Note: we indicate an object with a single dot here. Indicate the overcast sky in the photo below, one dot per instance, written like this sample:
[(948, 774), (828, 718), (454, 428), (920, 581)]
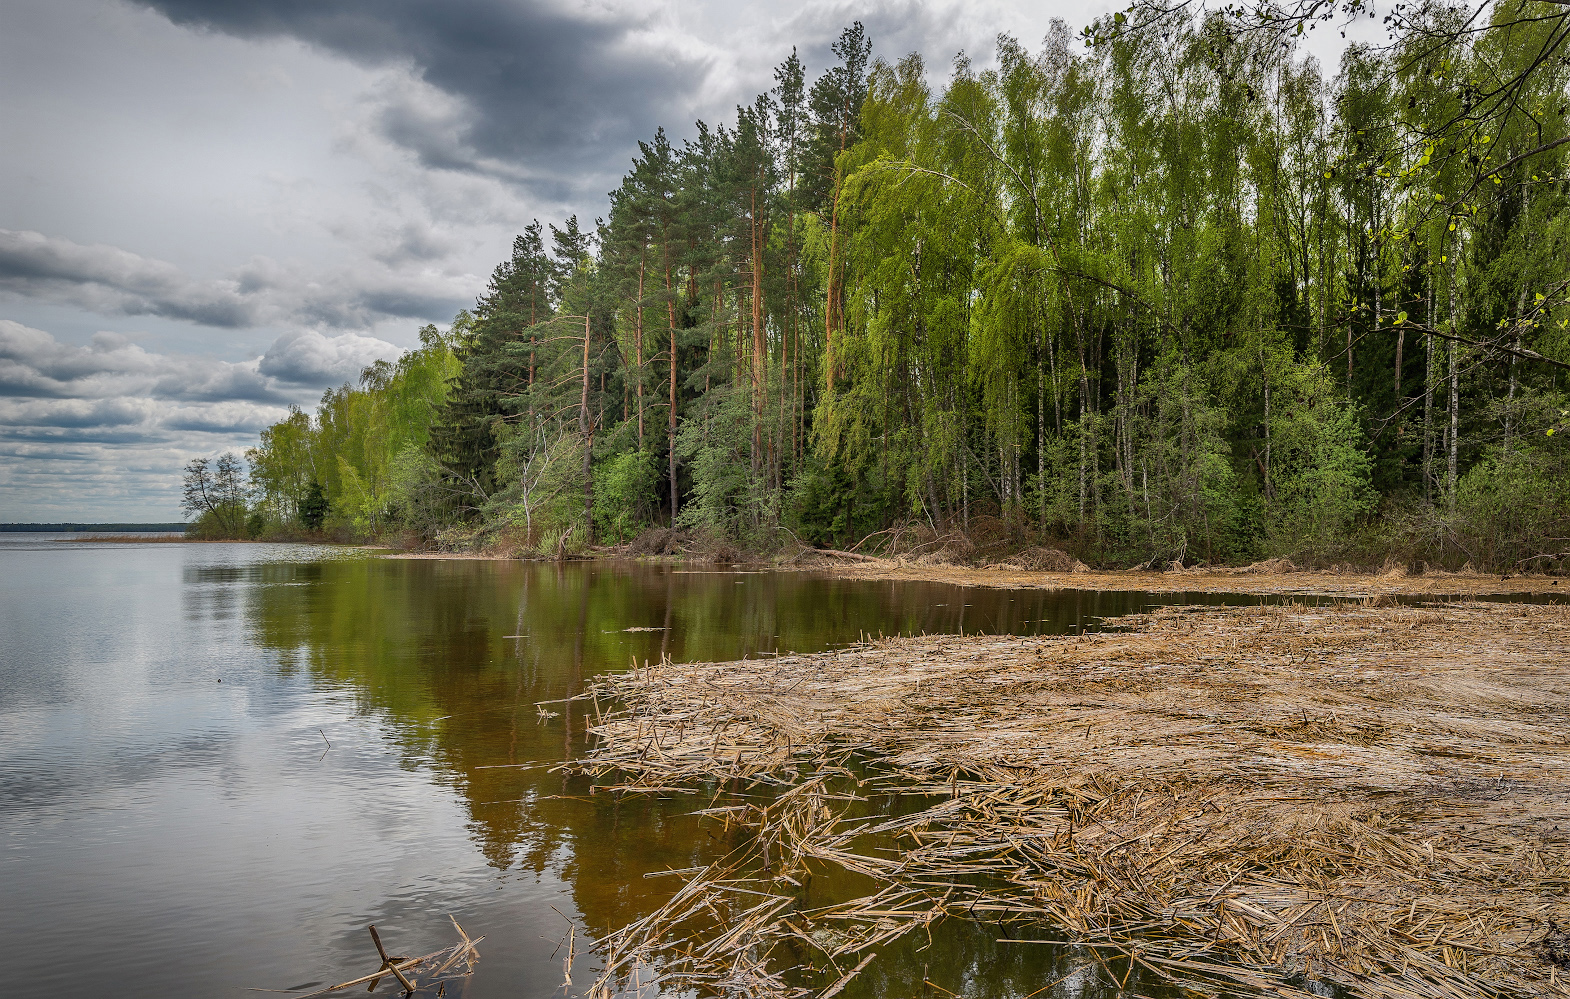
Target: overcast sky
[(210, 209)]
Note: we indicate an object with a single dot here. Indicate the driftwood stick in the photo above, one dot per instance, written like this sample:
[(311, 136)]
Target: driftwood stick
[(458, 952), (836, 553), (389, 963), (447, 956), (572, 933), (378, 973), (563, 700)]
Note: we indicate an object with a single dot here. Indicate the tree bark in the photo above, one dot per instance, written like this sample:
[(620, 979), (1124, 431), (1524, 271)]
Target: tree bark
[(1084, 401), (1428, 393), (586, 429), (1400, 357), (1266, 374), (1041, 429), (1455, 423), (831, 316), (759, 357), (670, 312), (1510, 399), (1455, 384), (637, 338)]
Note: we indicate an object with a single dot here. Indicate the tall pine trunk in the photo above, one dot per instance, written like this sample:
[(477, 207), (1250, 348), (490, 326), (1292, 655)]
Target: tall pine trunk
[(1428, 391), (1455, 386), (670, 312), (586, 430), (831, 311), (637, 339), (759, 356)]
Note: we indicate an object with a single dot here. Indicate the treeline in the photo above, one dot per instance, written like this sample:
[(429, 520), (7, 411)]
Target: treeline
[(359, 468), (1174, 295)]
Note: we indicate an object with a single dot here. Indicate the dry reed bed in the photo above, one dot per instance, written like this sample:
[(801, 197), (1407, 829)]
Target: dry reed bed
[(1277, 576), (1378, 796)]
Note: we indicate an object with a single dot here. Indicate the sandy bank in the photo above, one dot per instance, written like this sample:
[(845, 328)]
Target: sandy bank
[(1374, 796), (449, 556), (1210, 580), (1223, 580)]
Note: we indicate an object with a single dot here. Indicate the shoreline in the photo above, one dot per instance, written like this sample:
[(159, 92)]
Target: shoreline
[(1376, 796), (1209, 580), (176, 539), (1297, 582), (1226, 580)]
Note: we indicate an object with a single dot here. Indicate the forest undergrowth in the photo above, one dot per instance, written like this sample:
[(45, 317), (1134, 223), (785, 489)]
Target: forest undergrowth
[(1014, 550)]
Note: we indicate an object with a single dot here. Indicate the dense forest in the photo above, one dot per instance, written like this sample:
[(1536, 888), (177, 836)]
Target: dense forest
[(1161, 291)]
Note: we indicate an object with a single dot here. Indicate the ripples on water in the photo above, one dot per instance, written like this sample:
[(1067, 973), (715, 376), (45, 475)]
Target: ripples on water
[(173, 821)]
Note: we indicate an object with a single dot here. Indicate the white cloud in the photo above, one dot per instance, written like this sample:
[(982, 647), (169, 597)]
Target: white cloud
[(55, 480), (302, 170), (101, 431), (111, 281), (50, 389), (308, 358)]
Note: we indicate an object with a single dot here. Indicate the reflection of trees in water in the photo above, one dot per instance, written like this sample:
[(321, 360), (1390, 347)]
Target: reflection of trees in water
[(969, 959), (429, 646), (426, 646)]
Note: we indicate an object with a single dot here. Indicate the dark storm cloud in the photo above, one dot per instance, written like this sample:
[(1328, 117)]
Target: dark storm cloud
[(109, 281), (408, 302), (74, 413), (35, 365), (415, 242), (543, 90)]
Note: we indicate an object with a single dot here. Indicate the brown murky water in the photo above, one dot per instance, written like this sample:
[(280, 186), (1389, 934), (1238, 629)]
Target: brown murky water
[(218, 763)]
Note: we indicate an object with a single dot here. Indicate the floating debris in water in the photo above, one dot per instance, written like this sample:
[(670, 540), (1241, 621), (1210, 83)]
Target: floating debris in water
[(415, 974), (1278, 797)]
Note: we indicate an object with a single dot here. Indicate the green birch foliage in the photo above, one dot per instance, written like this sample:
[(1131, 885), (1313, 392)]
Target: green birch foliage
[(1179, 295), (365, 446)]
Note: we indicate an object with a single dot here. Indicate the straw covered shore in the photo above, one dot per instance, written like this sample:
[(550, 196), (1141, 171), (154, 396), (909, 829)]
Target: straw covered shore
[(1237, 799), (1276, 576)]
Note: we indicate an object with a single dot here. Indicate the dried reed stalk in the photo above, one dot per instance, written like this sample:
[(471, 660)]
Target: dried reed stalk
[(413, 973), (1229, 797), (1276, 576)]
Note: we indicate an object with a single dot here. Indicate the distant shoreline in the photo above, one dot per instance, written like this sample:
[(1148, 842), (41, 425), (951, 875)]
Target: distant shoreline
[(73, 528), (175, 538), (1262, 579)]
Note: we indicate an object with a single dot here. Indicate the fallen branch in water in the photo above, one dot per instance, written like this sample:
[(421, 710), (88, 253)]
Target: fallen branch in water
[(427, 971), (836, 553)]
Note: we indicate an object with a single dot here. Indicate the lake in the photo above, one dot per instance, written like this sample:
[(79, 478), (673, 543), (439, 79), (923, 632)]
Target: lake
[(219, 763)]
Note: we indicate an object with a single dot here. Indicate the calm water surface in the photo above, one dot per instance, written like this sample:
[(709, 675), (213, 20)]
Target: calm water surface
[(218, 763)]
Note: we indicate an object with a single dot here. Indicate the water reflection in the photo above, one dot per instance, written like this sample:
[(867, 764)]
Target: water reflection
[(173, 820), (459, 652)]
